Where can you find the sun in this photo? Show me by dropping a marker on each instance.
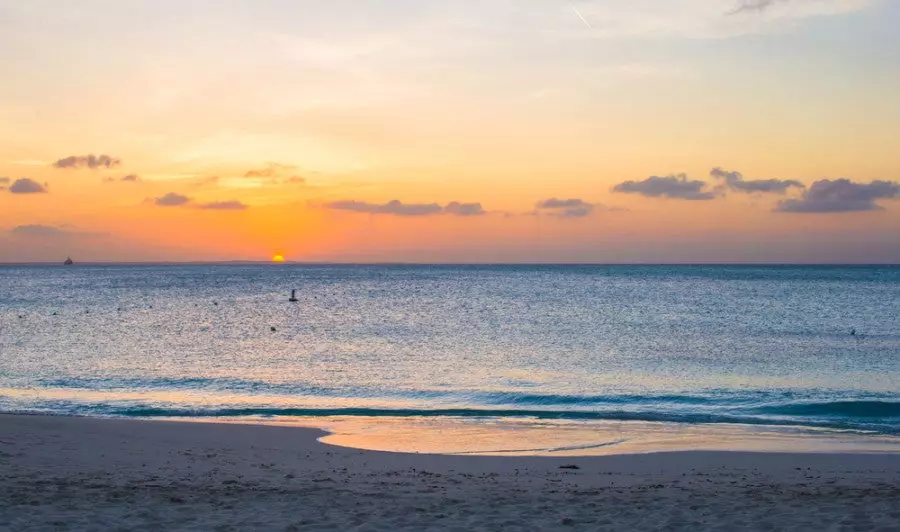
(278, 258)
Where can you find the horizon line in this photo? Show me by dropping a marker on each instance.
(417, 263)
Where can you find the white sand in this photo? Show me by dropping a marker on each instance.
(76, 473)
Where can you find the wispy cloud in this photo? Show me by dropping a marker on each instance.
(130, 178)
(276, 174)
(87, 161)
(736, 182)
(398, 208)
(232, 205)
(751, 5)
(271, 170)
(39, 231)
(841, 195)
(705, 18)
(395, 207)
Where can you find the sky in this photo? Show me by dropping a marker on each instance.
(570, 131)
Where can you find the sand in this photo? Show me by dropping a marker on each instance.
(80, 473)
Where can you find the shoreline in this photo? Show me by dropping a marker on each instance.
(82, 472)
(527, 437)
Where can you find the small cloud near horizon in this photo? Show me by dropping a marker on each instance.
(27, 186)
(736, 182)
(841, 195)
(232, 205)
(398, 208)
(673, 186)
(88, 161)
(172, 199)
(48, 231)
(464, 209)
(130, 178)
(566, 208)
(395, 207)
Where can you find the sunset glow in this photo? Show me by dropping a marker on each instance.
(466, 131)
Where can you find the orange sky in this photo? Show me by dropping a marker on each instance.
(346, 131)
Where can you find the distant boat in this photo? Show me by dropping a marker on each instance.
(68, 261)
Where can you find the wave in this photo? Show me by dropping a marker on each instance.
(850, 409)
(518, 398)
(615, 415)
(711, 397)
(878, 412)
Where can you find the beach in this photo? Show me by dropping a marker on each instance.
(61, 473)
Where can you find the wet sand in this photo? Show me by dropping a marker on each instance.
(70, 473)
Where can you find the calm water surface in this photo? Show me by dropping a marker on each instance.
(564, 346)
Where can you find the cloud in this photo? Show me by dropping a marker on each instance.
(566, 208)
(4, 180)
(841, 195)
(268, 172)
(172, 200)
(554, 203)
(751, 5)
(39, 231)
(87, 161)
(27, 186)
(398, 208)
(130, 178)
(206, 180)
(673, 186)
(735, 181)
(271, 170)
(233, 205)
(32, 231)
(394, 207)
(464, 209)
(276, 174)
(705, 19)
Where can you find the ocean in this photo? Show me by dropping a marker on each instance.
(468, 358)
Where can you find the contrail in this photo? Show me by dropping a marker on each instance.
(586, 23)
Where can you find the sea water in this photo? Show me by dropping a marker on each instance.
(468, 358)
